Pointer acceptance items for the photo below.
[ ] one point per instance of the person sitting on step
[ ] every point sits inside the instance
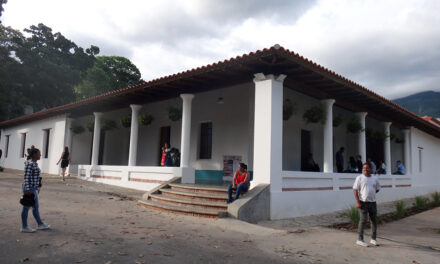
(240, 183)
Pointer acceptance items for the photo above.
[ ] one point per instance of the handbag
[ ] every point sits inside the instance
(28, 200)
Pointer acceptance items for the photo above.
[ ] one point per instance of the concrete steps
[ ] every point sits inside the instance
(189, 199)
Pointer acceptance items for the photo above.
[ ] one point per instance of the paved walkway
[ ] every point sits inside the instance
(96, 223)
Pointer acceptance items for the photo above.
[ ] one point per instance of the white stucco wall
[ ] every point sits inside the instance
(35, 136)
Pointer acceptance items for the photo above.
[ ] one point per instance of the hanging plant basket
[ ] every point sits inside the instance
(90, 126)
(314, 115)
(338, 120)
(107, 125)
(126, 121)
(379, 136)
(174, 113)
(392, 136)
(289, 109)
(145, 119)
(77, 129)
(354, 126)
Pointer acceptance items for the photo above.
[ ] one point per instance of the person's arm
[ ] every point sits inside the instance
(233, 179)
(356, 196)
(60, 158)
(246, 179)
(377, 186)
(69, 159)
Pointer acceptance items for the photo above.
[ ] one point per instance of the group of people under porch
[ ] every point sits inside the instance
(170, 157)
(354, 164)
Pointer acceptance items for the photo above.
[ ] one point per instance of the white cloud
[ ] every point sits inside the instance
(390, 47)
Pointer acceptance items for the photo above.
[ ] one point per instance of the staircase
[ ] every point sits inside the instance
(190, 199)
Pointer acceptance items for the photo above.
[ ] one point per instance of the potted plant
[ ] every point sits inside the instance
(174, 113)
(354, 126)
(289, 109)
(145, 119)
(77, 129)
(338, 120)
(314, 115)
(379, 136)
(126, 121)
(91, 126)
(107, 125)
(399, 140)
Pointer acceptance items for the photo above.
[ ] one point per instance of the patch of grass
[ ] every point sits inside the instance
(438, 231)
(436, 198)
(1, 168)
(400, 209)
(353, 214)
(421, 203)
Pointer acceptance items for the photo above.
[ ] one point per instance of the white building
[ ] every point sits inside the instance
(235, 108)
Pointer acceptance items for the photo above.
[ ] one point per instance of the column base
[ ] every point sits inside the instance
(188, 174)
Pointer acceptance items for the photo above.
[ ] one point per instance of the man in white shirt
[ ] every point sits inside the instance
(365, 188)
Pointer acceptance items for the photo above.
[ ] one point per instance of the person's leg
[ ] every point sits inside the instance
(35, 211)
(64, 172)
(241, 188)
(230, 192)
(24, 216)
(362, 220)
(372, 211)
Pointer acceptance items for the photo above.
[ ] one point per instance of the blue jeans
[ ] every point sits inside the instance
(241, 188)
(24, 212)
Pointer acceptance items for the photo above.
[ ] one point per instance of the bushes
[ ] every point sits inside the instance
(1, 169)
(420, 203)
(353, 214)
(400, 209)
(436, 198)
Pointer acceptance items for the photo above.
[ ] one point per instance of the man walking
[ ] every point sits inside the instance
(365, 188)
(340, 160)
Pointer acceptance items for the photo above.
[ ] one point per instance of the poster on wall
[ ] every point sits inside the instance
(230, 165)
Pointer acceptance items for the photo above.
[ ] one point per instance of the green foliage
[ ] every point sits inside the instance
(314, 115)
(435, 198)
(107, 125)
(338, 120)
(354, 126)
(90, 126)
(126, 121)
(400, 209)
(77, 129)
(420, 202)
(289, 109)
(174, 113)
(145, 119)
(353, 214)
(375, 135)
(399, 140)
(1, 169)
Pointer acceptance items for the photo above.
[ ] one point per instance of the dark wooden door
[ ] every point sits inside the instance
(305, 147)
(164, 138)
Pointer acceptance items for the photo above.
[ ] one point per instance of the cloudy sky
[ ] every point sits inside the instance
(392, 47)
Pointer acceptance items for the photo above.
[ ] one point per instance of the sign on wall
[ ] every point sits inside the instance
(230, 165)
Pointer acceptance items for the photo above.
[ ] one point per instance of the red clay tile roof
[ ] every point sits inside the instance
(397, 113)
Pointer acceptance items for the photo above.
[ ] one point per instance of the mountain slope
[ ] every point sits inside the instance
(424, 103)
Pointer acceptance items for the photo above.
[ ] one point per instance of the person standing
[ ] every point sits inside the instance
(31, 186)
(359, 163)
(400, 168)
(340, 160)
(365, 188)
(65, 160)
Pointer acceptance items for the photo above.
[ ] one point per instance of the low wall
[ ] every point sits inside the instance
(309, 193)
(135, 177)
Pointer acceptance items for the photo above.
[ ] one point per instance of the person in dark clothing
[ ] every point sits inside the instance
(311, 164)
(352, 166)
(340, 160)
(359, 163)
(65, 160)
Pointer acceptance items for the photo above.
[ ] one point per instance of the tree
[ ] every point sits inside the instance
(109, 73)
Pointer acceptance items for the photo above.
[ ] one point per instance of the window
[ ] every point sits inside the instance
(23, 145)
(7, 146)
(420, 159)
(46, 137)
(205, 140)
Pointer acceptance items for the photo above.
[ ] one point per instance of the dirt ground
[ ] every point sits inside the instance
(96, 223)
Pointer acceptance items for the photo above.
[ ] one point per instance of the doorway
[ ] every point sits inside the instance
(305, 148)
(165, 133)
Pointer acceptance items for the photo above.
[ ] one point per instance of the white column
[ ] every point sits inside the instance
(68, 134)
(407, 151)
(328, 135)
(134, 132)
(268, 130)
(362, 149)
(96, 138)
(186, 129)
(387, 148)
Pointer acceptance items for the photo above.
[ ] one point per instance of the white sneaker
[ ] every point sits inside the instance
(27, 230)
(43, 227)
(361, 243)
(374, 242)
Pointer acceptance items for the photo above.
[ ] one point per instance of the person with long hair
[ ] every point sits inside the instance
(31, 187)
(65, 160)
(240, 182)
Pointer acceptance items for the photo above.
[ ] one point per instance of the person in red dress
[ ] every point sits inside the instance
(240, 183)
(164, 154)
